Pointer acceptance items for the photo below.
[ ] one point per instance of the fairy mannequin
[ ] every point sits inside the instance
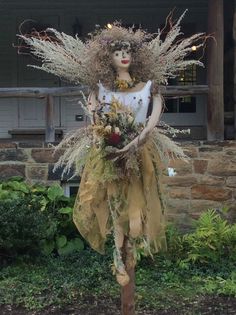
(143, 215)
(121, 191)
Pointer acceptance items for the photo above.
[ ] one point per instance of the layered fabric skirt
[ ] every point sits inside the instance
(122, 199)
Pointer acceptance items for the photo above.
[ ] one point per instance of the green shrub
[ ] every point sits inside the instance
(36, 219)
(212, 240)
(175, 243)
(22, 226)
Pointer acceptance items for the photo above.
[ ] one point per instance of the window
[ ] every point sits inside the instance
(185, 104)
(70, 189)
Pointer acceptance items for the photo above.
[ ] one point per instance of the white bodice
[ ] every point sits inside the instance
(137, 101)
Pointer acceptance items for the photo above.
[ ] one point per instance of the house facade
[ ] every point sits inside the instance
(209, 112)
(25, 114)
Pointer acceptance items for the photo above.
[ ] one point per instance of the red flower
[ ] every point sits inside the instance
(114, 139)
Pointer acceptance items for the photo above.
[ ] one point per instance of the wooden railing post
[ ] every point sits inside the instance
(49, 128)
(215, 71)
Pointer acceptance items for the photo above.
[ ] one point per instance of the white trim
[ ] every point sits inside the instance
(66, 187)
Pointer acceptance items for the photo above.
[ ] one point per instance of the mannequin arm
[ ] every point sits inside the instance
(92, 103)
(152, 122)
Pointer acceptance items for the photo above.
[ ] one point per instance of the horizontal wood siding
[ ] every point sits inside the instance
(71, 108)
(8, 116)
(7, 52)
(115, 4)
(8, 108)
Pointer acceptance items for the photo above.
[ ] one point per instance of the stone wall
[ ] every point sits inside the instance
(207, 181)
(34, 160)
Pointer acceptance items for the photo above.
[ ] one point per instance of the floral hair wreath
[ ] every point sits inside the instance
(120, 45)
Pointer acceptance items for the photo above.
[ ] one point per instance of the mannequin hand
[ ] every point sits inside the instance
(130, 147)
(144, 135)
(117, 154)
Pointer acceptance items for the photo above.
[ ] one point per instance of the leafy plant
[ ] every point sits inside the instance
(175, 243)
(36, 219)
(222, 285)
(22, 226)
(213, 239)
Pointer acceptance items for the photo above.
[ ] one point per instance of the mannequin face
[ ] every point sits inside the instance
(121, 59)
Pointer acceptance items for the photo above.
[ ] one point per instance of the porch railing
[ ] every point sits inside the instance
(49, 93)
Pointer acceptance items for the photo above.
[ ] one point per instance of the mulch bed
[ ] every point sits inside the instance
(204, 305)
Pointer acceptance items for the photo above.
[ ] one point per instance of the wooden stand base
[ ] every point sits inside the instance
(128, 291)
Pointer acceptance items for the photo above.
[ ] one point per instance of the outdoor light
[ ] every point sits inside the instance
(194, 48)
(109, 25)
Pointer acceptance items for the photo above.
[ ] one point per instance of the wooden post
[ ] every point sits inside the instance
(128, 291)
(50, 129)
(215, 75)
(234, 36)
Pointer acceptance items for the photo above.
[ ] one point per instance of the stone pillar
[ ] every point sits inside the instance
(215, 73)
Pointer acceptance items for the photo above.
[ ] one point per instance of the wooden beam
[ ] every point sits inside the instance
(50, 128)
(35, 92)
(215, 75)
(49, 93)
(184, 90)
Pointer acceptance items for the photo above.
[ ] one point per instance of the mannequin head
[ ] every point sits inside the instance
(121, 59)
(116, 51)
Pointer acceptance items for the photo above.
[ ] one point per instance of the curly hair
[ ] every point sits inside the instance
(102, 44)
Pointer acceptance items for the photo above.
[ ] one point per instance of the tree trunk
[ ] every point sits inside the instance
(128, 291)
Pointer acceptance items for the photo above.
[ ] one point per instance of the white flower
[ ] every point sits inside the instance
(108, 129)
(130, 119)
(171, 171)
(117, 131)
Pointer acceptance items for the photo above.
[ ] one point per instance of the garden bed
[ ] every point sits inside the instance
(203, 305)
(82, 283)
